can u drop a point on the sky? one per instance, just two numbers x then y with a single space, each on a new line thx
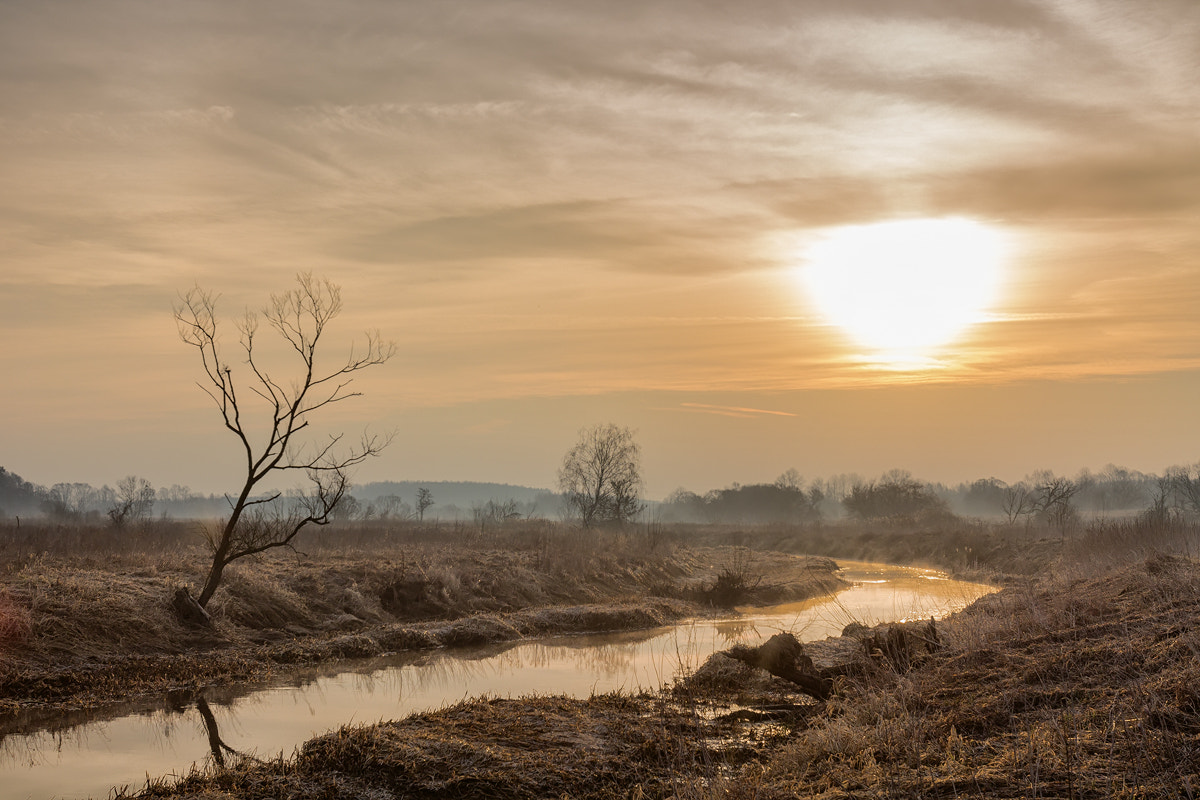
568 213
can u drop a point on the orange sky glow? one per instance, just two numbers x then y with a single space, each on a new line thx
571 213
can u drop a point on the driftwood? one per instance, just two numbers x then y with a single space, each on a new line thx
783 656
900 646
903 646
188 611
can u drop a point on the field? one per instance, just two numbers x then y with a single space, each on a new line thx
1079 679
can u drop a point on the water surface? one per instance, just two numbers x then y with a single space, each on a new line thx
171 736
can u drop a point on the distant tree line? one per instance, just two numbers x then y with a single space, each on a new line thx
1041 497
132 501
1113 489
786 501
898 496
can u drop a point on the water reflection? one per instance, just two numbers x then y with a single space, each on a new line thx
735 631
89 753
216 745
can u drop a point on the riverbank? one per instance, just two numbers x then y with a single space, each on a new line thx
81 630
1078 686
1095 656
965 549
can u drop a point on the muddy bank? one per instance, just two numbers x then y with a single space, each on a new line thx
1080 687
601 747
78 687
312 609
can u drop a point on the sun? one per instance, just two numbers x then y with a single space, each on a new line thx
905 288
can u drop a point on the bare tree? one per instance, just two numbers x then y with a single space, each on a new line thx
1054 500
424 501
392 506
1018 502
348 509
134 501
495 513
299 316
174 493
790 479
601 476
1183 486
1160 511
71 501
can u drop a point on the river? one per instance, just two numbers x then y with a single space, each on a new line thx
118 747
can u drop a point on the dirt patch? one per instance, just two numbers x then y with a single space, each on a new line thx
783 656
411 598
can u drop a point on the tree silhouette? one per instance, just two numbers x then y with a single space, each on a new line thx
299 316
424 501
601 476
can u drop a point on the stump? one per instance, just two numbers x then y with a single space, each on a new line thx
188 611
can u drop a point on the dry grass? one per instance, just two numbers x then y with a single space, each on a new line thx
1081 682
1068 687
16 622
360 591
602 747
1077 686
81 612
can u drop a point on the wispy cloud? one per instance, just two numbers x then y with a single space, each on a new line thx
542 199
733 411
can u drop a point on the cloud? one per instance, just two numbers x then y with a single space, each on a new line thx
1140 185
619 234
1157 184
570 197
733 411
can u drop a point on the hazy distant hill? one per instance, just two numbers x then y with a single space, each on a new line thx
460 496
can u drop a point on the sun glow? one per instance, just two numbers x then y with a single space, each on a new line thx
905 288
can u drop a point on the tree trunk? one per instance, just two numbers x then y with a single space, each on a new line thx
782 655
213 580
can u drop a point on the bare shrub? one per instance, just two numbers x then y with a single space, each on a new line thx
132 503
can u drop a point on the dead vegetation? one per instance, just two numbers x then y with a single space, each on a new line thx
1079 689
966 548
1079 682
1075 685
359 592
486 748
